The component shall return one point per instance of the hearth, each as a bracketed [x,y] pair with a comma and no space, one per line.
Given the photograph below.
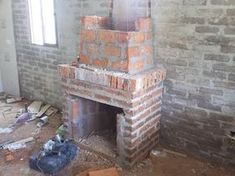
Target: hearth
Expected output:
[116,82]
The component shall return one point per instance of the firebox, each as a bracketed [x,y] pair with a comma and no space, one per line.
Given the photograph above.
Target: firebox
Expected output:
[116,69]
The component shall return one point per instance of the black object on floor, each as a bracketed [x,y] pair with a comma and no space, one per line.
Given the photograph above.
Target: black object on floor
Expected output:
[54,156]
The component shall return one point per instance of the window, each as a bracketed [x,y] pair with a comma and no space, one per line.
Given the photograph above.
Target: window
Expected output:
[42,22]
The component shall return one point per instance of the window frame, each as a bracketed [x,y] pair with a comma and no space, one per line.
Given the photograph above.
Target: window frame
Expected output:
[56,45]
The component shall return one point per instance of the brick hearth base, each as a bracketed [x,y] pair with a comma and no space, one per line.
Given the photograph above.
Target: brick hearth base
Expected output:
[138,95]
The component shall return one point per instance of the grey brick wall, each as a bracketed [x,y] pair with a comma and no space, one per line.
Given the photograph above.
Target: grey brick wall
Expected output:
[194,40]
[37,65]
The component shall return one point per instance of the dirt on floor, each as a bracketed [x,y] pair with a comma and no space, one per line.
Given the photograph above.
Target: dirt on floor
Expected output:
[99,154]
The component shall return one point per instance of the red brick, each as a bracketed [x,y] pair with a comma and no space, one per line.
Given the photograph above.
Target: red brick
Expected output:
[120,65]
[88,35]
[120,83]
[84,59]
[157,106]
[132,85]
[122,103]
[144,24]
[133,51]
[100,62]
[139,65]
[104,22]
[124,37]
[92,49]
[102,97]
[114,82]
[118,92]
[88,21]
[148,49]
[125,84]
[93,21]
[108,36]
[109,77]
[112,51]
[138,37]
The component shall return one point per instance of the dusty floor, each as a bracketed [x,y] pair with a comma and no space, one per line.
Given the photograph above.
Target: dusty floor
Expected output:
[163,165]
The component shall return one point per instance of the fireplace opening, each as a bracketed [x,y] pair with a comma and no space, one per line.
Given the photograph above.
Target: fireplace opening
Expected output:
[94,125]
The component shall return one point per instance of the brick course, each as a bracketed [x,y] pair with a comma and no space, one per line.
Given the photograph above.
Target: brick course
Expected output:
[140,98]
[120,51]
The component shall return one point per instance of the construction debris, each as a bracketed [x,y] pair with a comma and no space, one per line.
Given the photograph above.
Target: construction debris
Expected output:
[9,156]
[5,130]
[14,100]
[175,153]
[104,172]
[51,111]
[158,153]
[43,121]
[43,110]
[18,144]
[35,107]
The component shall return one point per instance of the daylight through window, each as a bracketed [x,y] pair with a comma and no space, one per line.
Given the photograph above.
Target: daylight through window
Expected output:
[42,22]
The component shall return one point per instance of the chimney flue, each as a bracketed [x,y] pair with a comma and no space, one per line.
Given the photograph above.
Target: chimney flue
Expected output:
[126,12]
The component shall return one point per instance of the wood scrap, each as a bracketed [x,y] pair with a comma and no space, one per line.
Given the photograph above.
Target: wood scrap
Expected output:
[43,110]
[104,172]
[34,107]
[175,153]
[14,100]
[51,111]
[18,144]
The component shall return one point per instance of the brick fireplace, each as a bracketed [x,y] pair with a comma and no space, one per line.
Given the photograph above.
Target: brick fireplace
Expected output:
[115,69]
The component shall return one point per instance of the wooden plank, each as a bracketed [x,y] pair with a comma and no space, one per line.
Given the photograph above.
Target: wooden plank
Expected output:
[35,106]
[13,100]
[175,153]
[104,172]
[43,110]
[51,111]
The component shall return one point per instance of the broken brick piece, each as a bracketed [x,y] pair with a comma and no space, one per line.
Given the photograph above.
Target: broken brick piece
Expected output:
[8,156]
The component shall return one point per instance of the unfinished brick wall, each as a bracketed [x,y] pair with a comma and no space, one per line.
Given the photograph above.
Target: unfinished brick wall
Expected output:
[195,41]
[102,47]
[138,95]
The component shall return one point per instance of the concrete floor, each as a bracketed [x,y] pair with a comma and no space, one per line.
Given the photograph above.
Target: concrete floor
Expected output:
[165,165]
